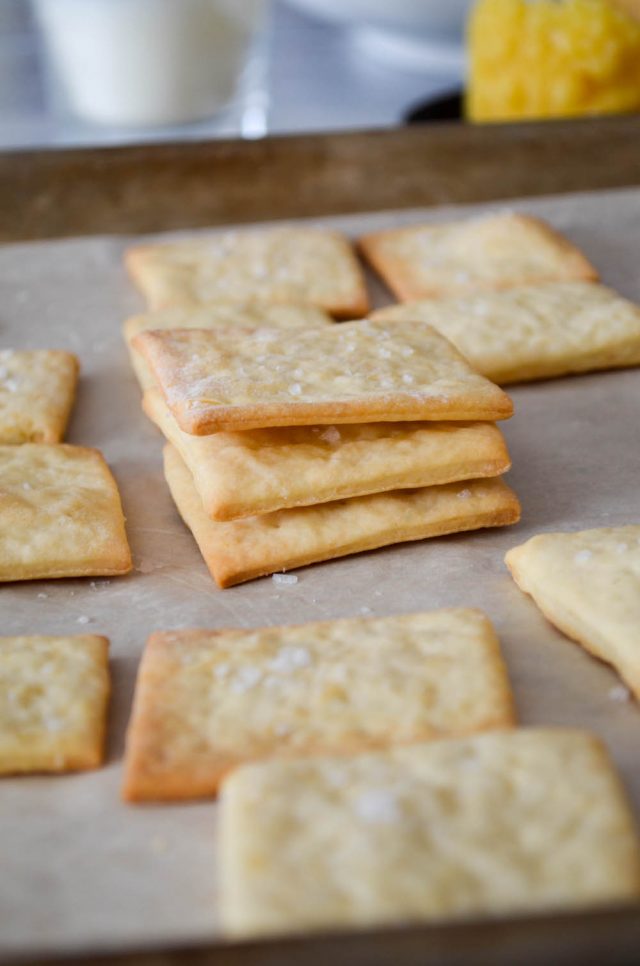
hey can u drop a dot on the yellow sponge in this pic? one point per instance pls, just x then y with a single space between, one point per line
553 59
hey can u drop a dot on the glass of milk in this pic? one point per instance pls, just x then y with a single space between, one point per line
146 63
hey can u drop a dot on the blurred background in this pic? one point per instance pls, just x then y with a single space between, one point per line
96 72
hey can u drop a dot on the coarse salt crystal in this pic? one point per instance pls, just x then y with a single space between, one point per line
377 806
620 693
295 389
221 670
583 556
406 350
366 610
464 494
622 547
246 678
331 435
289 658
83 619
288 579
384 353
407 378
42 596
281 730
27 486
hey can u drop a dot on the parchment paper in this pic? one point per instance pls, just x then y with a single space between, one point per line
79 869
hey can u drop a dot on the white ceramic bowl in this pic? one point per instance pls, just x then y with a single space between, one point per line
430 18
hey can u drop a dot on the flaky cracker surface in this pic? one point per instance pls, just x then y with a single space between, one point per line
504 823
207 701
53 703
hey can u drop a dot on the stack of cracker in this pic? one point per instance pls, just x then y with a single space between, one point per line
292 447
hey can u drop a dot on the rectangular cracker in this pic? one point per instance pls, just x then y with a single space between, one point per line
270 265
262 470
509 822
484 254
37 389
243 549
233 316
359 372
588 584
60 514
534 332
53 703
207 701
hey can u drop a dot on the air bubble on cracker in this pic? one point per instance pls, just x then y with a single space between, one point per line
284 579
620 693
583 557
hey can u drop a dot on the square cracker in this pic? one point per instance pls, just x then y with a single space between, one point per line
273 265
243 549
534 332
53 703
588 584
207 701
262 470
492 252
60 514
232 316
37 389
359 372
496 824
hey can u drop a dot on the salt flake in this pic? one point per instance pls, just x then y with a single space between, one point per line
583 557
620 693
377 806
284 579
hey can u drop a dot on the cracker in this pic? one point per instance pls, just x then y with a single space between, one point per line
232 316
534 332
37 388
273 265
492 252
208 701
588 584
60 514
53 703
262 470
243 549
497 824
358 372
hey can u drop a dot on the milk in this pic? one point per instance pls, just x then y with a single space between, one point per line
148 62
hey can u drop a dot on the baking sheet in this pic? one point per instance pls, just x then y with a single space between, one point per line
80 870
